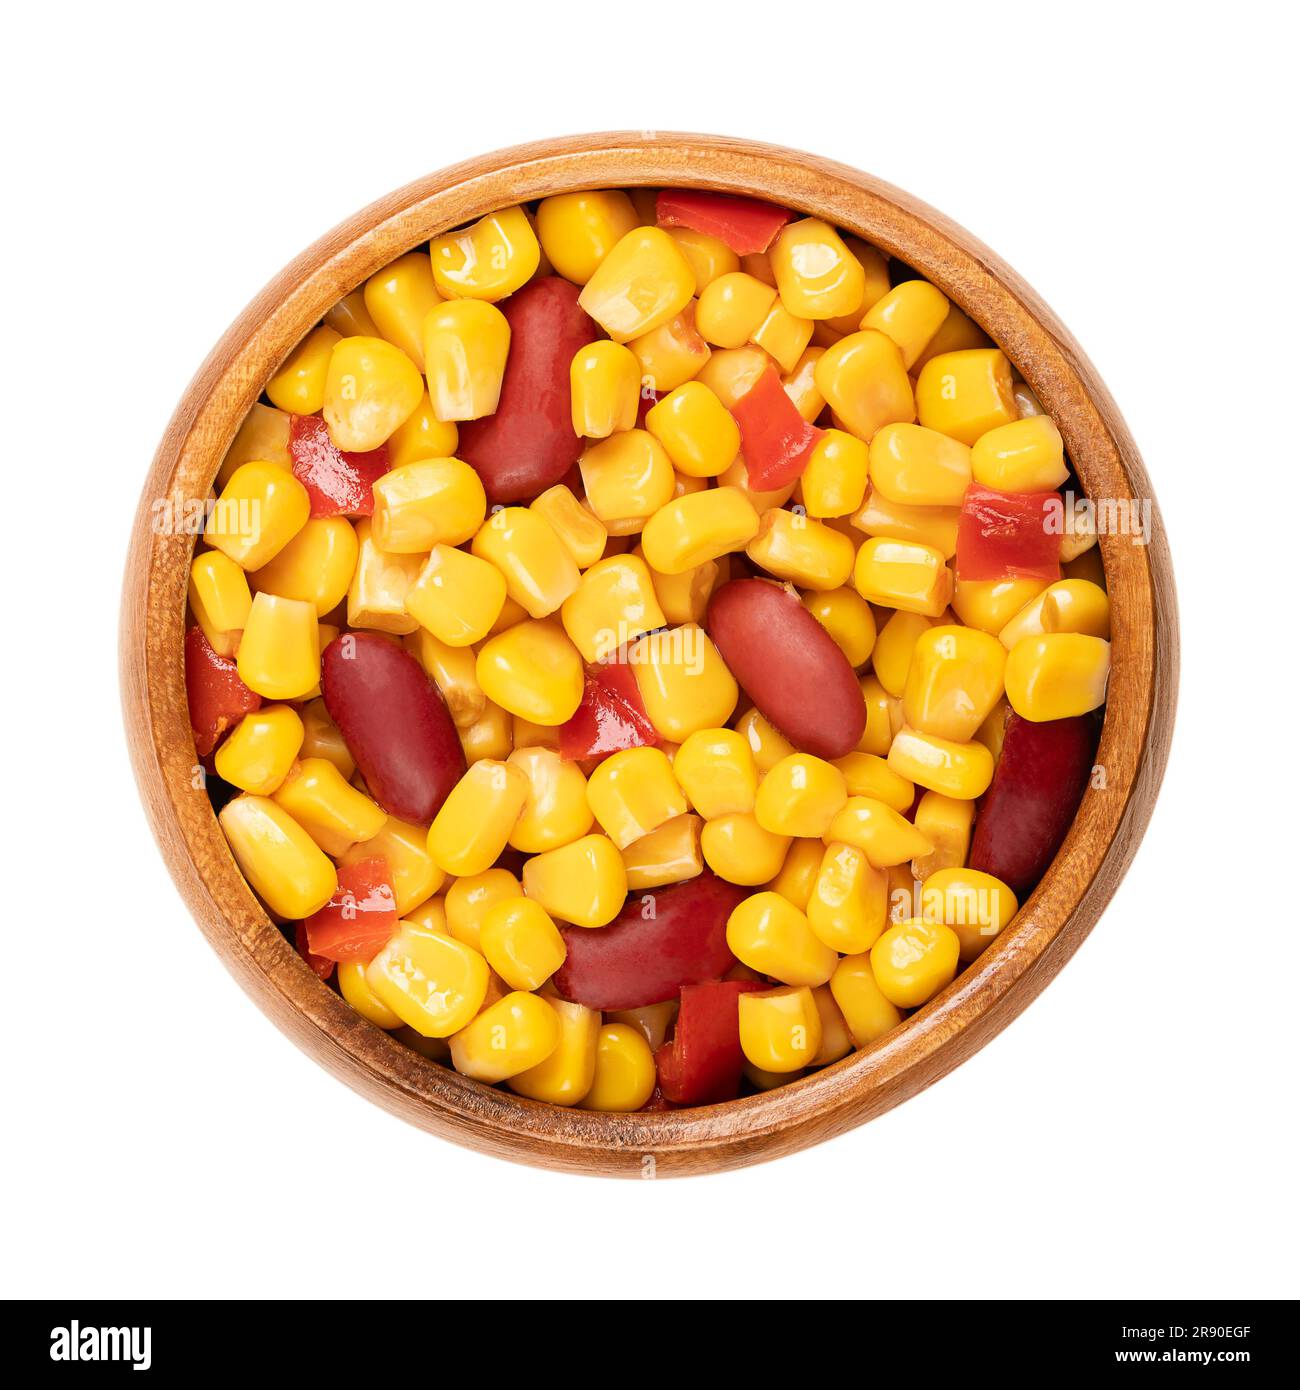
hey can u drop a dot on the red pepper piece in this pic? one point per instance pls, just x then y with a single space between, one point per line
358 920
774 438
611 716
747 225
658 1101
702 1064
319 965
338 484
1003 535
218 699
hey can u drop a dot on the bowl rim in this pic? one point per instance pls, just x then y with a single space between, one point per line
1052 922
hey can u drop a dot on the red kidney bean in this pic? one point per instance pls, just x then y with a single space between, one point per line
663 939
1034 794
789 665
394 722
529 445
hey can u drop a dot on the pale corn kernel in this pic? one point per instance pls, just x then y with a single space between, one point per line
947 824
262 438
427 503
837 1041
953 682
641 283
371 389
451 669
332 811
730 374
817 276
489 260
490 736
322 738
350 318
960 770
1070 605
580 531
380 582
684 597
555 810
805 552
932 526
669 854
466 344
977 906
672 354
800 384
903 574
709 257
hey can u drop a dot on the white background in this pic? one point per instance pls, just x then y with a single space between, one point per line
1134 1132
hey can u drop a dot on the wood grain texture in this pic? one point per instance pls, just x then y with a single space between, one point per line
1134 743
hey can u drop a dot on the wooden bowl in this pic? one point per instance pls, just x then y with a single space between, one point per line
985 998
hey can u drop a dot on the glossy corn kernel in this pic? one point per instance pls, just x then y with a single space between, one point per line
578 230
932 526
380 583
279 655
405 849
470 899
672 354
350 318
696 429
992 732
780 1029
689 531
835 480
739 850
509 1037
798 875
904 893
532 670
800 796
867 1012
604 389
909 315
669 854
732 308
521 943
976 906
642 282
456 596
800 384
627 476
488 260
966 394
1051 677
322 738
398 299
261 749
684 684
903 574
259 512
805 552
875 272
277 856
960 770
633 792
849 620
474 823
730 374
865 383
431 914
956 333
539 571
848 903
220 599
355 989
1079 539
769 934
332 811
880 832
884 717
432 982
708 256
913 960
919 467
422 436
316 566
262 438
614 603
953 681
1070 605
1024 456
555 810
466 343
715 768
767 745
817 276
783 336
579 530
490 736
684 597
371 389
451 669
625 1074
991 604
584 882
946 823
299 385
837 1041
525 734
868 774
565 1076
892 658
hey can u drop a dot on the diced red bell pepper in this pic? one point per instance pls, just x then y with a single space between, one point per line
658 1101
611 716
1004 535
703 1062
774 438
319 964
338 484
218 699
747 225
358 920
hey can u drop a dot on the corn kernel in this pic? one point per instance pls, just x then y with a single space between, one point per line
959 770
932 526
613 605
604 389
261 749
371 389
818 277
669 854
220 598
521 943
770 935
865 383
689 531
336 815
767 744
696 429
398 299
277 857
800 796
262 438
732 308
584 882
555 810
917 467
431 914
651 1021
875 271
525 734
350 318
837 1041
884 717
976 906
380 583
966 394
892 658
405 849
456 596
642 282
470 899
422 436
946 823
260 511
849 620
684 683
992 731
633 792
903 574
1025 456
716 770
955 334
909 315
672 354
913 960
868 774
322 739
355 989
867 1012
488 260
565 1076
627 476
1070 605
990 604
539 571
490 736
780 1029
578 230
953 682
316 566
299 385
625 1074
532 670
739 850
904 893
580 531
835 480
279 654
709 257
433 983
803 862
474 823
849 900
796 548
684 597
800 384
466 344
879 831
513 1035
732 373
1052 677
451 669
783 336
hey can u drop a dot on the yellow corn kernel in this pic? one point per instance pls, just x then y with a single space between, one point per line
262 438
800 796
625 1074
325 634
849 620
903 574
684 683
669 854
431 914
451 669
884 717
432 982
880 832
715 768
865 383
892 658
371 389
780 1029
261 509
977 906
990 604
422 436
633 792
279 654
1070 605
1050 677
818 277
261 749
1024 456
803 862
904 893
578 230
456 596
521 943
220 598
299 385
490 736
732 308
913 960
796 548
584 882
837 1041
466 344
555 810
696 429
670 355
783 336
532 670
966 394
992 731
398 299
405 849
1026 402
322 739
683 597
350 318
435 1049
955 334
613 605
277 857
540 572
953 681
868 774
730 374
427 503
355 989
642 282
769 934
488 260
627 476
708 256
514 1034
604 389
867 1012
800 384
932 526
946 823
691 530
919 467
835 480
316 566
580 531
474 824
767 744
525 734
959 770
470 899
1078 538
332 811
909 315
738 849
567 1073
849 900
875 272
